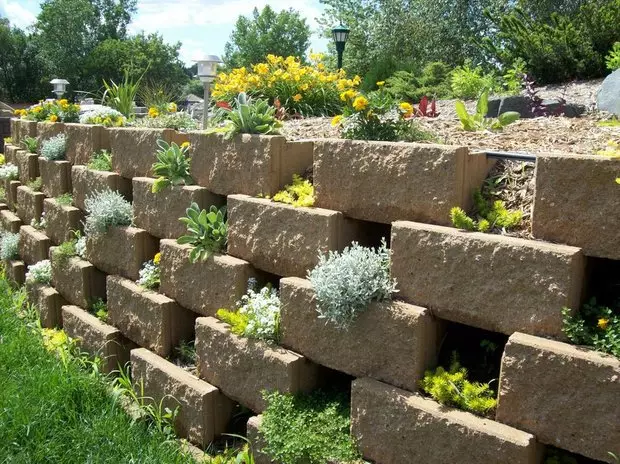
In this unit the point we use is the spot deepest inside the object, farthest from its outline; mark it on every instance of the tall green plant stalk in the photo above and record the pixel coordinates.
(121, 96)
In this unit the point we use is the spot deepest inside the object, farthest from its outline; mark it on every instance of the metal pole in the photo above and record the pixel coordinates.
(510, 155)
(205, 109)
(339, 59)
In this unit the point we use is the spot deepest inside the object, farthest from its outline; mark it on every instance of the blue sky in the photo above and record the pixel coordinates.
(202, 26)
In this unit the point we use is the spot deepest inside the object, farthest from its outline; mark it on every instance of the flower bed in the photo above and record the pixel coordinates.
(83, 140)
(566, 395)
(55, 177)
(87, 181)
(448, 271)
(33, 245)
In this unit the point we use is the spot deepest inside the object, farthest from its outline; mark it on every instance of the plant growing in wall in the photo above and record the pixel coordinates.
(478, 120)
(9, 172)
(250, 117)
(30, 144)
(207, 232)
(172, 165)
(100, 161)
(40, 273)
(594, 325)
(149, 275)
(106, 209)
(299, 193)
(490, 216)
(54, 148)
(346, 282)
(9, 246)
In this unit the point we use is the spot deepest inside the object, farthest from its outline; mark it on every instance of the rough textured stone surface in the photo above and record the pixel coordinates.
(205, 286)
(27, 165)
(493, 282)
(15, 129)
(27, 129)
(566, 395)
(576, 202)
(77, 280)
(608, 98)
(248, 164)
(34, 246)
(48, 302)
(388, 181)
(96, 338)
(9, 152)
(86, 182)
(254, 436)
(121, 251)
(133, 149)
(148, 318)
(15, 272)
(393, 426)
(282, 239)
(62, 220)
(158, 213)
(46, 130)
(83, 140)
(243, 367)
(391, 341)
(10, 187)
(203, 411)
(55, 176)
(29, 204)
(10, 221)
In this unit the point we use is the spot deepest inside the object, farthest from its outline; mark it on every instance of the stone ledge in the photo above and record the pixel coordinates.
(61, 220)
(55, 177)
(34, 246)
(10, 221)
(27, 166)
(87, 181)
(49, 304)
(78, 281)
(10, 187)
(29, 204)
(253, 434)
(15, 272)
(47, 130)
(83, 140)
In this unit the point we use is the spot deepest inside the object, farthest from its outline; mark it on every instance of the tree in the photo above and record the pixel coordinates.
(284, 33)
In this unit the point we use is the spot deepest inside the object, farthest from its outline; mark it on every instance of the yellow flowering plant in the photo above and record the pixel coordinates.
(308, 90)
(51, 111)
(594, 325)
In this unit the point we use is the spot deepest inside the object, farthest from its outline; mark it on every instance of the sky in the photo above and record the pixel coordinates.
(202, 26)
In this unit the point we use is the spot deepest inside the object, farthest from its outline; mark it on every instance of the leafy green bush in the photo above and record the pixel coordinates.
(513, 78)
(299, 193)
(250, 117)
(308, 429)
(100, 161)
(9, 246)
(99, 308)
(257, 316)
(35, 185)
(494, 216)
(433, 81)
(453, 389)
(469, 82)
(595, 325)
(612, 60)
(54, 148)
(346, 282)
(66, 250)
(172, 165)
(478, 121)
(106, 209)
(40, 273)
(206, 232)
(9, 172)
(31, 144)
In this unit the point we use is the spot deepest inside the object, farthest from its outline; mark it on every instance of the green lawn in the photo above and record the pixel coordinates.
(50, 413)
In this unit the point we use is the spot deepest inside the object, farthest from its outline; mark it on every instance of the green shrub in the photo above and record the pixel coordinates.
(513, 78)
(612, 60)
(106, 209)
(346, 282)
(206, 232)
(53, 149)
(66, 250)
(99, 308)
(409, 86)
(452, 388)
(595, 325)
(100, 161)
(172, 165)
(299, 193)
(9, 246)
(469, 83)
(31, 144)
(308, 429)
(478, 121)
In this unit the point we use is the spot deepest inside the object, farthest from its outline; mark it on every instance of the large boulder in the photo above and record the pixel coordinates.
(608, 98)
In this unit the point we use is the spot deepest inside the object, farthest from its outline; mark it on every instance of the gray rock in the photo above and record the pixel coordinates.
(608, 98)
(517, 103)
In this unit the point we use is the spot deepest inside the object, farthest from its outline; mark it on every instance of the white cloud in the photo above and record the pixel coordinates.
(17, 14)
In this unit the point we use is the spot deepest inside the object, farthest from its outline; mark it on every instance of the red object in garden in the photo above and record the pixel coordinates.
(424, 110)
(223, 104)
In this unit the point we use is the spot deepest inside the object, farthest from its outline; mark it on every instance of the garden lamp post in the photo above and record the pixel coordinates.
(60, 85)
(340, 34)
(207, 69)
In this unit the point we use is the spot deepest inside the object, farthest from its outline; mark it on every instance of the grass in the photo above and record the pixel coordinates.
(55, 412)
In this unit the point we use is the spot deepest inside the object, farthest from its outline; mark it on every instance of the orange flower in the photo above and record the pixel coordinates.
(297, 97)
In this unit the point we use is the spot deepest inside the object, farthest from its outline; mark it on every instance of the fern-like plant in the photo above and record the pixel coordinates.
(299, 193)
(172, 166)
(31, 144)
(206, 232)
(106, 209)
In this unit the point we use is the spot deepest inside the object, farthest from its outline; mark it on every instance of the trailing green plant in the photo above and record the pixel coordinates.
(493, 216)
(31, 144)
(307, 428)
(346, 282)
(54, 148)
(594, 325)
(39, 273)
(66, 199)
(250, 116)
(179, 120)
(612, 60)
(121, 96)
(172, 165)
(257, 314)
(468, 82)
(35, 185)
(478, 121)
(452, 388)
(149, 275)
(299, 193)
(100, 161)
(105, 209)
(9, 172)
(99, 308)
(207, 233)
(9, 246)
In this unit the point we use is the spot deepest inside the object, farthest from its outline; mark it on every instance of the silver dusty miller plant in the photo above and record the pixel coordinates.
(9, 246)
(106, 209)
(54, 148)
(40, 273)
(346, 283)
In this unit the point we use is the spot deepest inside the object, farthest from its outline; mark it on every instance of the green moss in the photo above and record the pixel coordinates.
(495, 215)
(299, 193)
